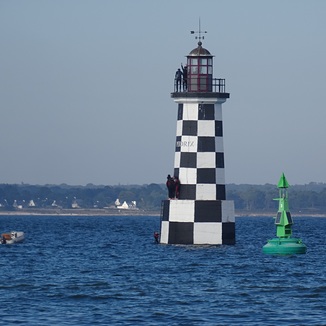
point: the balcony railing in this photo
(218, 86)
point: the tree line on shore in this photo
(302, 198)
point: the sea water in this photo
(107, 270)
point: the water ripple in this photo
(108, 271)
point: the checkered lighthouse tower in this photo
(201, 214)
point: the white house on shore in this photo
(125, 205)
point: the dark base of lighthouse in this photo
(198, 222)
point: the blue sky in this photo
(85, 88)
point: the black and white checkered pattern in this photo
(197, 222)
(199, 154)
(201, 215)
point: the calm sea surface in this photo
(77, 270)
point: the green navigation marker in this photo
(284, 244)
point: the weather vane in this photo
(199, 32)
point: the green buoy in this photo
(284, 244)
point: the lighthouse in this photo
(200, 213)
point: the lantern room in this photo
(196, 77)
(200, 70)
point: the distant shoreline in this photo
(129, 212)
(80, 212)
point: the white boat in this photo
(12, 237)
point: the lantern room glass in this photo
(200, 74)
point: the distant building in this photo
(74, 204)
(125, 205)
(31, 203)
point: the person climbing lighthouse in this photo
(170, 184)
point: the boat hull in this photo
(12, 237)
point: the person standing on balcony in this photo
(178, 77)
(185, 76)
